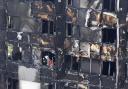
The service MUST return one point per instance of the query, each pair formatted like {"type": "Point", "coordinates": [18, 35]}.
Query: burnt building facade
{"type": "Point", "coordinates": [63, 44]}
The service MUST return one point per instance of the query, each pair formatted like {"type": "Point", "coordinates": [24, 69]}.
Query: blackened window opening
{"type": "Point", "coordinates": [108, 35]}
{"type": "Point", "coordinates": [75, 64]}
{"type": "Point", "coordinates": [109, 5]}
{"type": "Point", "coordinates": [13, 84]}
{"type": "Point", "coordinates": [16, 54]}
{"type": "Point", "coordinates": [67, 61]}
{"type": "Point", "coordinates": [112, 68]}
{"type": "Point", "coordinates": [109, 68]}
{"type": "Point", "coordinates": [50, 86]}
{"type": "Point", "coordinates": [105, 69]}
{"type": "Point", "coordinates": [44, 26]}
{"type": "Point", "coordinates": [51, 27]}
{"type": "Point", "coordinates": [69, 2]}
{"type": "Point", "coordinates": [69, 29]}
{"type": "Point", "coordinates": [49, 1]}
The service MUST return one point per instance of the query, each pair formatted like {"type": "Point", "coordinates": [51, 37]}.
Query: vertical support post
{"type": "Point", "coordinates": [117, 53]}
{"type": "Point", "coordinates": [118, 43]}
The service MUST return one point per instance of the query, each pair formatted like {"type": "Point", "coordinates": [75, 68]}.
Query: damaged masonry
{"type": "Point", "coordinates": [63, 44]}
